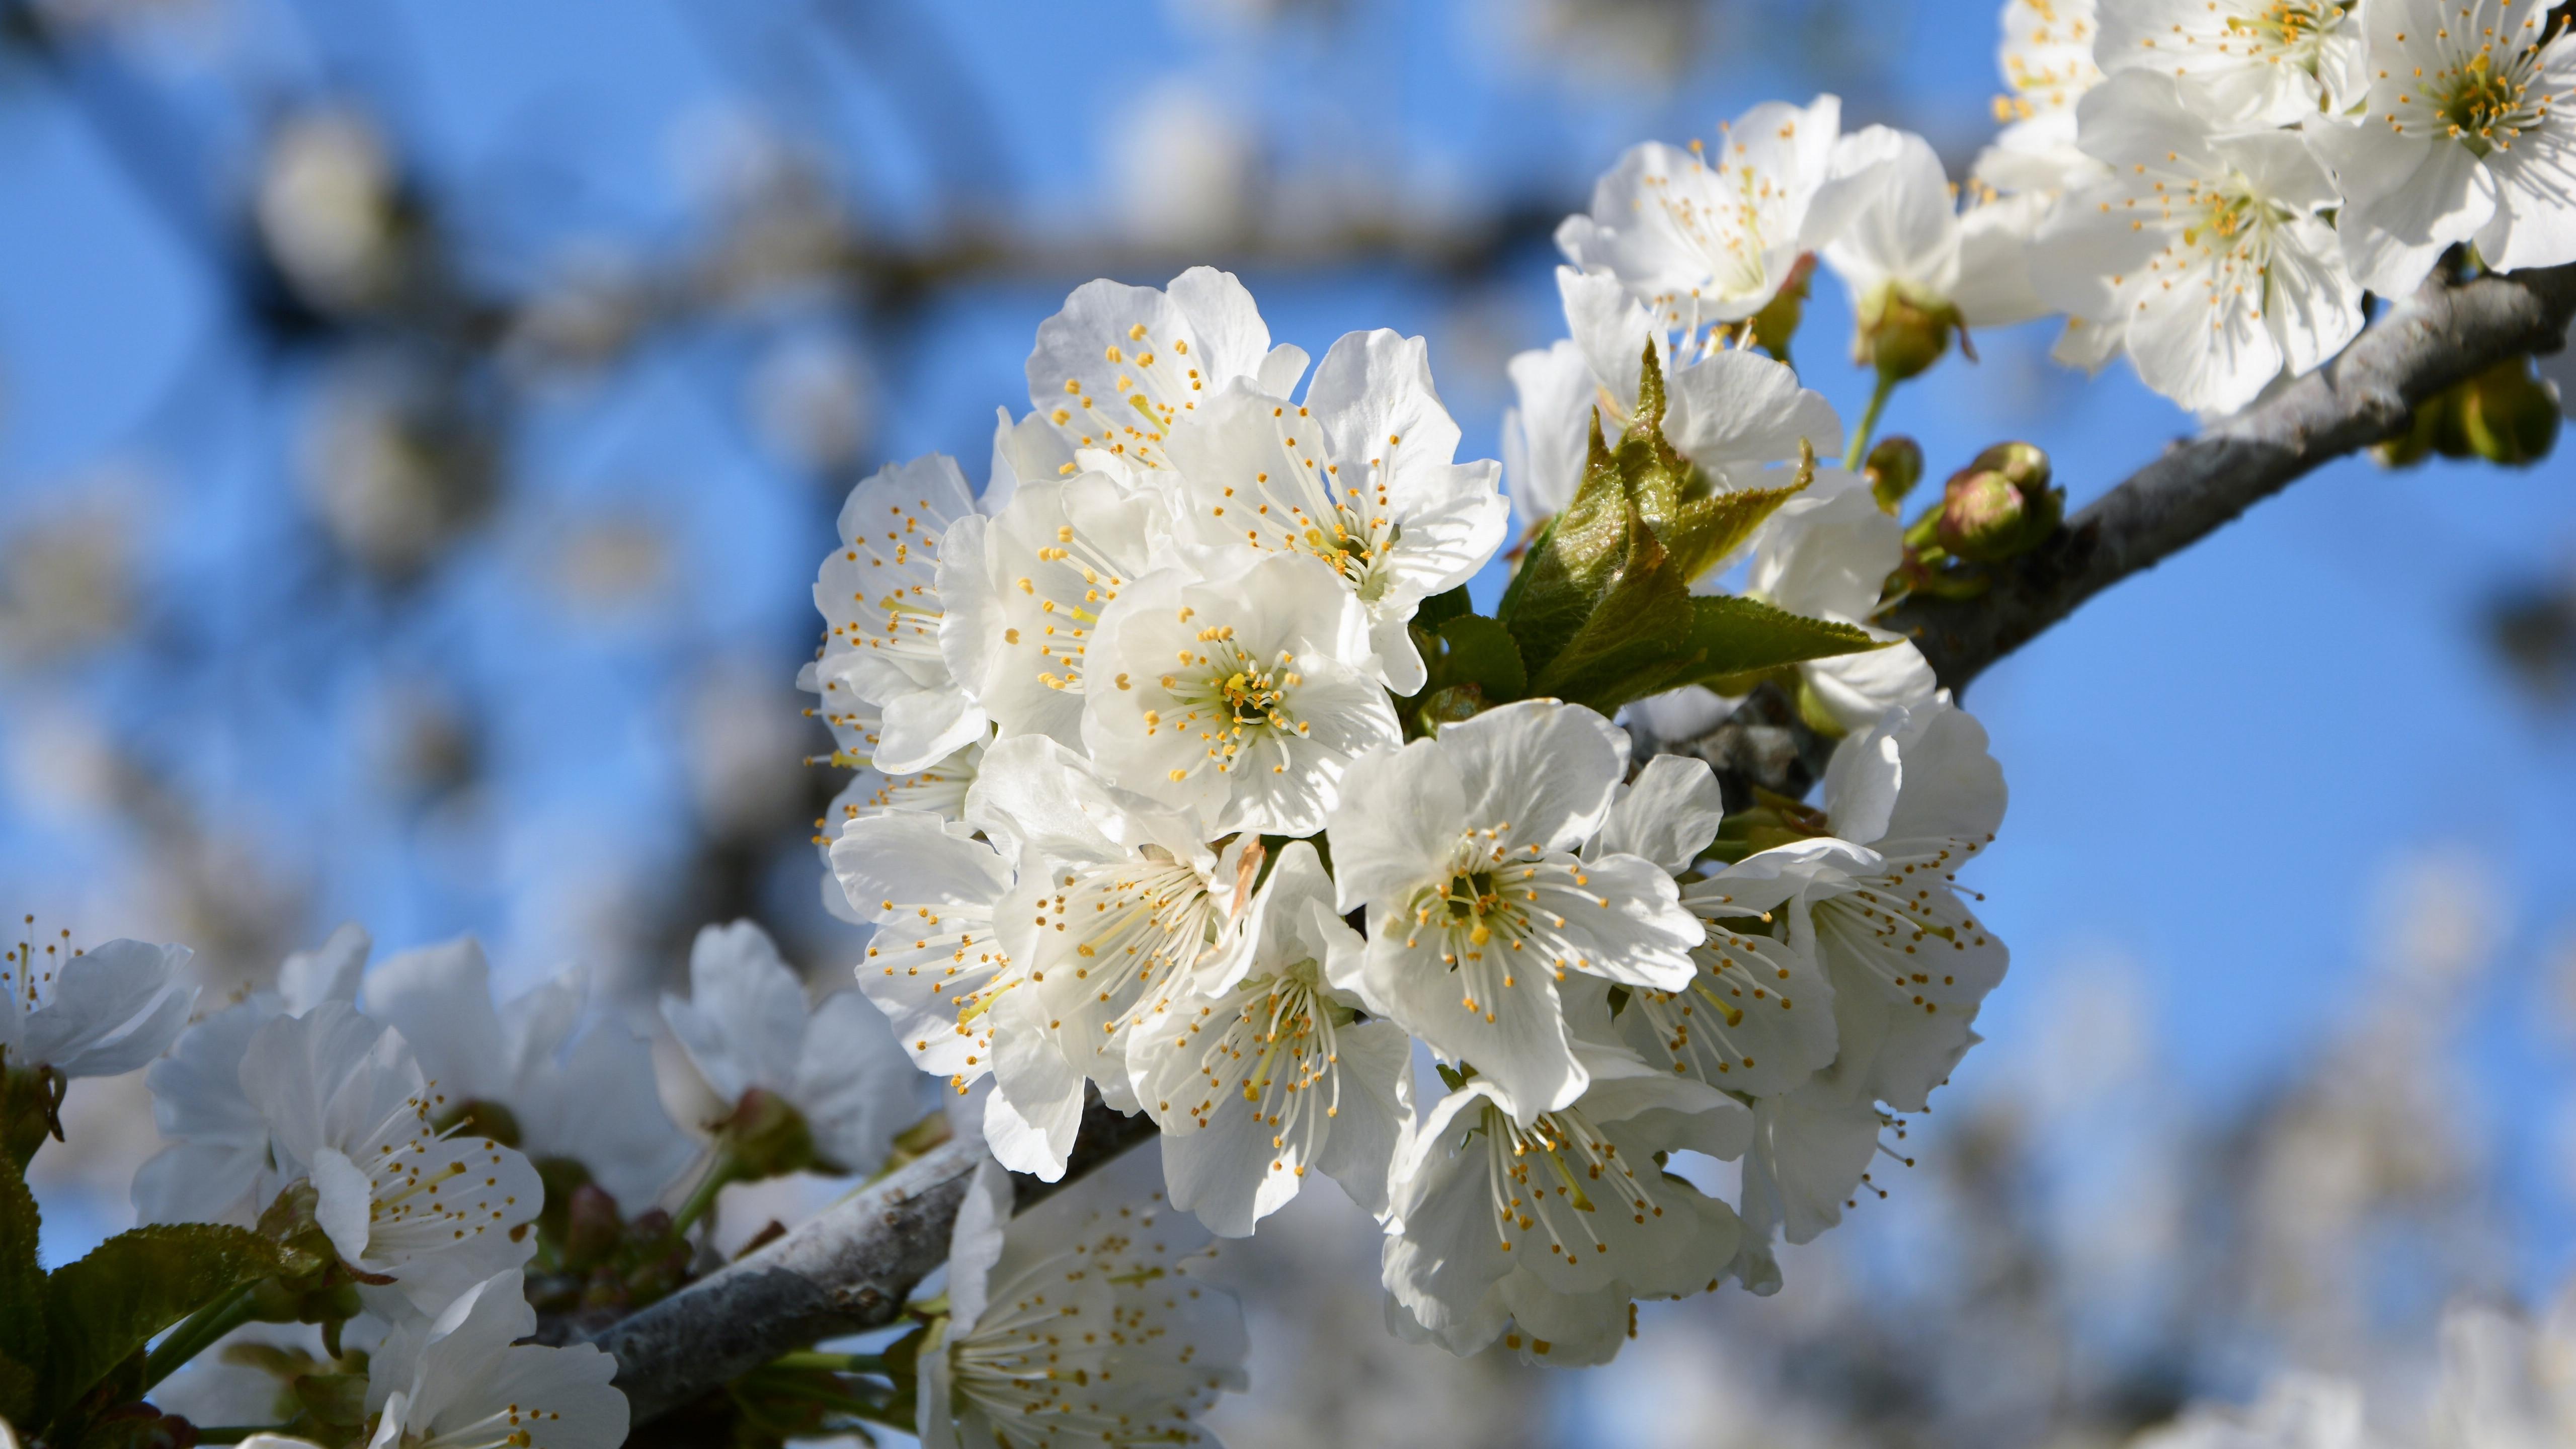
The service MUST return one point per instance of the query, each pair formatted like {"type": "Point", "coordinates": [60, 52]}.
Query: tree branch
{"type": "Point", "coordinates": [846, 1270]}
{"type": "Point", "coordinates": [850, 1269]}
{"type": "Point", "coordinates": [2442, 335]}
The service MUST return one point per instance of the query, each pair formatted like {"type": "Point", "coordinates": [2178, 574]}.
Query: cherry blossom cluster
{"type": "Point", "coordinates": [2208, 187]}
{"type": "Point", "coordinates": [1191, 784]}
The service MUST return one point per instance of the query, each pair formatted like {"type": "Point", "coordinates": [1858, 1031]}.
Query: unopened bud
{"type": "Point", "coordinates": [767, 1136]}
{"type": "Point", "coordinates": [1980, 512]}
{"type": "Point", "coordinates": [1777, 323]}
{"type": "Point", "coordinates": [1894, 466]}
{"type": "Point", "coordinates": [1998, 506]}
{"type": "Point", "coordinates": [1901, 335]}
{"type": "Point", "coordinates": [2507, 415]}
{"type": "Point", "coordinates": [2023, 463]}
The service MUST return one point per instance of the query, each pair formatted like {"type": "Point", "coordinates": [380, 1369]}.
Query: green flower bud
{"type": "Point", "coordinates": [2507, 415]}
{"type": "Point", "coordinates": [1901, 335]}
{"type": "Point", "coordinates": [1997, 507]}
{"type": "Point", "coordinates": [767, 1136]}
{"type": "Point", "coordinates": [1777, 322]}
{"type": "Point", "coordinates": [1893, 467]}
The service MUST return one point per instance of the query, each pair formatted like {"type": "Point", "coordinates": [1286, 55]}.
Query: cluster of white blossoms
{"type": "Point", "coordinates": [2206, 186]}
{"type": "Point", "coordinates": [1192, 785]}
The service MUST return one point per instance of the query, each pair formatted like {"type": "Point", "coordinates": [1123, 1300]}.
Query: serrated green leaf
{"type": "Point", "coordinates": [1480, 651]}
{"type": "Point", "coordinates": [1737, 636]}
{"type": "Point", "coordinates": [106, 1307]}
{"type": "Point", "coordinates": [1632, 632]}
{"type": "Point", "coordinates": [1570, 561]}
{"type": "Point", "coordinates": [1439, 609]}
{"type": "Point", "coordinates": [22, 1286]}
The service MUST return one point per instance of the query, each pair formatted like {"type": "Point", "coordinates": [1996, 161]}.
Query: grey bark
{"type": "Point", "coordinates": [851, 1268]}
{"type": "Point", "coordinates": [2442, 335]}
{"type": "Point", "coordinates": [846, 1270]}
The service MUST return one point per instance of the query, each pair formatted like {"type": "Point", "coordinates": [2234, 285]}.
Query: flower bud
{"type": "Point", "coordinates": [1777, 322]}
{"type": "Point", "coordinates": [767, 1136]}
{"type": "Point", "coordinates": [1893, 467]}
{"type": "Point", "coordinates": [1998, 506]}
{"type": "Point", "coordinates": [2507, 415]}
{"type": "Point", "coordinates": [1901, 335]}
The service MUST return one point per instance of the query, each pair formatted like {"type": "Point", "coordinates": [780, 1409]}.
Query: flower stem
{"type": "Point", "coordinates": [1868, 422]}
{"type": "Point", "coordinates": [198, 1332]}
{"type": "Point", "coordinates": [722, 1168]}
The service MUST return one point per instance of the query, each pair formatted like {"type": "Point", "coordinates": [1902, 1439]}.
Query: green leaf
{"type": "Point", "coordinates": [1479, 651]}
{"type": "Point", "coordinates": [106, 1307]}
{"type": "Point", "coordinates": [22, 1285]}
{"type": "Point", "coordinates": [1636, 632]}
{"type": "Point", "coordinates": [1571, 560]}
{"type": "Point", "coordinates": [1439, 609]}
{"type": "Point", "coordinates": [1735, 636]}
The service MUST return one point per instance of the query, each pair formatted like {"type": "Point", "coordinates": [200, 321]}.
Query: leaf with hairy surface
{"type": "Point", "coordinates": [103, 1309]}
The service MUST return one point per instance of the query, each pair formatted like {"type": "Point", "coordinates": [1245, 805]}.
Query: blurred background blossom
{"type": "Point", "coordinates": [419, 423]}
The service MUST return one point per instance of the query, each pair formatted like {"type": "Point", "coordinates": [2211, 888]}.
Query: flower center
{"type": "Point", "coordinates": [1554, 1178]}
{"type": "Point", "coordinates": [2484, 105]}
{"type": "Point", "coordinates": [1230, 698]}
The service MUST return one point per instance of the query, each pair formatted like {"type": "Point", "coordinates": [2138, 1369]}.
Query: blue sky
{"type": "Point", "coordinates": [2212, 766]}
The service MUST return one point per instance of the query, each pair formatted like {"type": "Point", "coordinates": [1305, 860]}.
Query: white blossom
{"type": "Point", "coordinates": [1461, 849]}
{"type": "Point", "coordinates": [746, 1025]}
{"type": "Point", "coordinates": [2250, 62]}
{"type": "Point", "coordinates": [2459, 140]}
{"type": "Point", "coordinates": [1240, 701]}
{"type": "Point", "coordinates": [1120, 366]}
{"type": "Point", "coordinates": [581, 1094]}
{"type": "Point", "coordinates": [1024, 594]}
{"type": "Point", "coordinates": [1736, 1024]}
{"type": "Point", "coordinates": [1116, 900]}
{"type": "Point", "coordinates": [1709, 234]}
{"type": "Point", "coordinates": [935, 965]}
{"type": "Point", "coordinates": [1255, 1084]}
{"type": "Point", "coordinates": [1890, 228]}
{"type": "Point", "coordinates": [1361, 475]}
{"type": "Point", "coordinates": [1555, 1224]}
{"type": "Point", "coordinates": [878, 592]}
{"type": "Point", "coordinates": [2507, 1382]}
{"type": "Point", "coordinates": [2047, 62]}
{"type": "Point", "coordinates": [1912, 800]}
{"type": "Point", "coordinates": [345, 1106]}
{"type": "Point", "coordinates": [1068, 1330]}
{"type": "Point", "coordinates": [2204, 247]}
{"type": "Point", "coordinates": [218, 1162]}
{"type": "Point", "coordinates": [98, 1013]}
{"type": "Point", "coordinates": [462, 1380]}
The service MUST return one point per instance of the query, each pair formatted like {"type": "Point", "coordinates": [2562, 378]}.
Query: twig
{"type": "Point", "coordinates": [845, 1271]}
{"type": "Point", "coordinates": [2440, 336]}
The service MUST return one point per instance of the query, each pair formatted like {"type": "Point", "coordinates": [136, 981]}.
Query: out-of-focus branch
{"type": "Point", "coordinates": [844, 1271]}
{"type": "Point", "coordinates": [2444, 334]}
